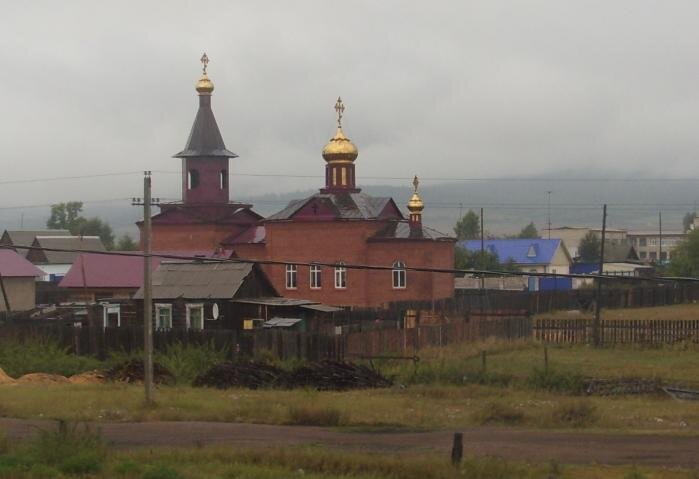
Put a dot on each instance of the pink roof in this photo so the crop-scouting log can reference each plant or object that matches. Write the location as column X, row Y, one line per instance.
column 13, row 264
column 115, row 271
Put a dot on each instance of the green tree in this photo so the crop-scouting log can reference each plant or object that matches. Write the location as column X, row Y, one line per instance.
column 529, row 232
column 589, row 248
column 685, row 257
column 485, row 260
column 126, row 243
column 468, row 227
column 64, row 215
column 688, row 221
column 68, row 216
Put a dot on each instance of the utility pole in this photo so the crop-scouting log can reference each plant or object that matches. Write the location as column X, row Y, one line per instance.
column 482, row 266
column 660, row 237
column 147, row 287
column 596, row 325
column 8, row 308
column 548, row 210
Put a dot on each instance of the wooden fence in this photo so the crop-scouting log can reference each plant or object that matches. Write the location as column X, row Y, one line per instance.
column 617, row 331
column 99, row 342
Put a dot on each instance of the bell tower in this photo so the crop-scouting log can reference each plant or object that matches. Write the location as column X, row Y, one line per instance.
column 339, row 155
column 205, row 157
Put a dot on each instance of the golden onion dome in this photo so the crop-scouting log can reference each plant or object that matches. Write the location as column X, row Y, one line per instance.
column 204, row 85
column 415, row 205
column 340, row 149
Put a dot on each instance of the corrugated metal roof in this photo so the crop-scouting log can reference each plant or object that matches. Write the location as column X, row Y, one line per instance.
column 26, row 237
column 106, row 271
column 281, row 322
column 323, row 308
column 66, row 242
column 521, row 251
column 13, row 265
column 273, row 301
column 346, row 206
column 401, row 230
column 198, row 280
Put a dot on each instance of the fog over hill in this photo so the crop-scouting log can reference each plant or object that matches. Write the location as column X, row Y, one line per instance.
column 510, row 203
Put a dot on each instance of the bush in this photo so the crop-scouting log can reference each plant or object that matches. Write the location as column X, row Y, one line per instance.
column 41, row 355
column 187, row 361
column 496, row 412
column 556, row 382
column 315, row 416
column 580, row 413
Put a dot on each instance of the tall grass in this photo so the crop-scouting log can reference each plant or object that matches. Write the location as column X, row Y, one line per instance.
column 41, row 354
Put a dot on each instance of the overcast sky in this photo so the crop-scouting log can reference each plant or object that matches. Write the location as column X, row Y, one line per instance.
column 438, row 89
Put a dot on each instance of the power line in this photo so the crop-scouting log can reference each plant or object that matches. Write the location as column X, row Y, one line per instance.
column 356, row 266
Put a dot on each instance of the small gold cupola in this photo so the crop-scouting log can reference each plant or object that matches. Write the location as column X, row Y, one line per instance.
column 415, row 206
column 205, row 86
column 339, row 154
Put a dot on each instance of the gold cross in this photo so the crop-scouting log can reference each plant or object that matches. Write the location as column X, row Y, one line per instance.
column 205, row 62
column 416, row 182
column 340, row 109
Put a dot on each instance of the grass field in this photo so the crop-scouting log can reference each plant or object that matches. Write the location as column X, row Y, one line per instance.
column 678, row 311
column 77, row 453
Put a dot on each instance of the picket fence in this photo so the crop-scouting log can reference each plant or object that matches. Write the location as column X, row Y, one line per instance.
column 618, row 331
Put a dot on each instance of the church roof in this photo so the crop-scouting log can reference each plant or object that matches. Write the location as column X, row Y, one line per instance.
column 401, row 230
column 356, row 206
column 205, row 138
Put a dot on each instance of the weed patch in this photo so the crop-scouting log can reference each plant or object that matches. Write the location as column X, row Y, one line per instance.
column 567, row 383
column 497, row 412
column 315, row 416
column 574, row 413
column 44, row 355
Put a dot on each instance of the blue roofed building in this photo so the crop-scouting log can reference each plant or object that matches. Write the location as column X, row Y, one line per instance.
column 531, row 255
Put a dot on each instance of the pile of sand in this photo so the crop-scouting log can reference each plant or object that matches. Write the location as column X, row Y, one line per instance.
column 89, row 377
column 5, row 379
column 43, row 378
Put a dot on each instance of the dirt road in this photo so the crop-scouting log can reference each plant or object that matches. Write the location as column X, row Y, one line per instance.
column 571, row 448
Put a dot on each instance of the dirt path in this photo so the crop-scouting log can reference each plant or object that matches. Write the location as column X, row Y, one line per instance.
column 571, row 448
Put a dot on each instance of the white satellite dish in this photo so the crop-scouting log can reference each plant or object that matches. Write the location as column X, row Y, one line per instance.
column 214, row 311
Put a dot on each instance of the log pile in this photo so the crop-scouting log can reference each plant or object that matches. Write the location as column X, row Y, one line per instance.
column 133, row 371
column 336, row 376
column 622, row 386
column 251, row 375
column 324, row 375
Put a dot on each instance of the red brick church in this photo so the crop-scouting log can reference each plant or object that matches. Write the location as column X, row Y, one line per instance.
column 338, row 225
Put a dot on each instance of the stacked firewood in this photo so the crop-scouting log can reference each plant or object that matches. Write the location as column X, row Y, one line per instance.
column 324, row 375
column 133, row 371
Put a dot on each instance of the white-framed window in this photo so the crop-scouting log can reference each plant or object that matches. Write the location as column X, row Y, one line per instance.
column 340, row 276
column 291, row 276
column 163, row 316
column 399, row 275
column 112, row 315
column 315, row 278
column 195, row 316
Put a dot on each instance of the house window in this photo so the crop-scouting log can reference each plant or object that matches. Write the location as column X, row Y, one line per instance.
column 399, row 276
column 641, row 242
column 163, row 316
column 195, row 316
column 340, row 276
column 192, row 179
column 315, row 276
column 652, row 241
column 223, row 179
column 291, row 281
column 112, row 315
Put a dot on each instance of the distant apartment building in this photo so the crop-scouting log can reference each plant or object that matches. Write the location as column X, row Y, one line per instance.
column 572, row 235
column 649, row 247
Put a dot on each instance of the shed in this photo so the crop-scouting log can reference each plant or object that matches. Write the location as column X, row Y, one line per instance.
column 197, row 295
column 57, row 263
column 18, row 278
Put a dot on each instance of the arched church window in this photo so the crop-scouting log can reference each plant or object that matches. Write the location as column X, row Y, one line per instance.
column 223, row 179
column 192, row 179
